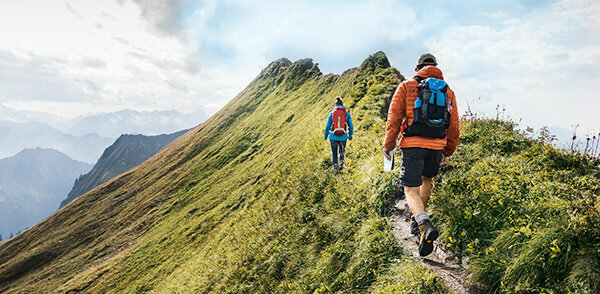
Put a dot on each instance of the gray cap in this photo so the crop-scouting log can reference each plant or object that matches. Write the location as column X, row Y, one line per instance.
column 426, row 56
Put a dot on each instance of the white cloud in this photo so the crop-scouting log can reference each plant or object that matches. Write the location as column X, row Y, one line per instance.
column 254, row 33
column 71, row 58
column 155, row 55
column 542, row 66
column 75, row 57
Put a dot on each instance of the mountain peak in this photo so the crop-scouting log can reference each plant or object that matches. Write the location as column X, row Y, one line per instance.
column 40, row 151
column 276, row 67
column 375, row 60
column 305, row 67
column 301, row 67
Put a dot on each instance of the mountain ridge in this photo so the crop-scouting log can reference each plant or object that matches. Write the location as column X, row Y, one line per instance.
column 128, row 121
column 126, row 152
column 188, row 196
column 247, row 203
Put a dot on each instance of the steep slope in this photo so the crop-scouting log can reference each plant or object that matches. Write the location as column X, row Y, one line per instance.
column 31, row 182
column 127, row 152
column 87, row 148
column 245, row 202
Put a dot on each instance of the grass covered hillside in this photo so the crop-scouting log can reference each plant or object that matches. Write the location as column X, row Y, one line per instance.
column 523, row 215
column 243, row 203
column 247, row 203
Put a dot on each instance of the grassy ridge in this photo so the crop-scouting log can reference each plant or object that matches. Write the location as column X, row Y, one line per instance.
column 243, row 203
column 247, row 203
column 524, row 215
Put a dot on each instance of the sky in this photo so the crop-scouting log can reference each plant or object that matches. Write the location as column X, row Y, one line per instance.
column 536, row 59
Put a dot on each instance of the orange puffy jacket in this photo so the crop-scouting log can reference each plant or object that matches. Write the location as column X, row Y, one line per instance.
column 401, row 115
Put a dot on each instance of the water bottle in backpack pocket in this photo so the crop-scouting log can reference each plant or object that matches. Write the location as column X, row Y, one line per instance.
column 431, row 114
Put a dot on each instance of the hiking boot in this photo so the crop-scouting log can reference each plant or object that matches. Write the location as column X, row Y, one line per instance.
column 414, row 228
column 341, row 165
column 428, row 234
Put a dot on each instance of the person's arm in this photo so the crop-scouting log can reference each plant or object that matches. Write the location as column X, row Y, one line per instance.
column 453, row 131
column 328, row 126
column 350, row 125
column 396, row 115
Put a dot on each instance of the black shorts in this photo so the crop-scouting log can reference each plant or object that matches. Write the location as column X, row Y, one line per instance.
column 417, row 162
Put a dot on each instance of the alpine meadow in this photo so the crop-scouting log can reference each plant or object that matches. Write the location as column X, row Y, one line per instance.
column 246, row 202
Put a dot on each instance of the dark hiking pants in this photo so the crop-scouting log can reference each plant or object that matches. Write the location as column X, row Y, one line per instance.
column 337, row 149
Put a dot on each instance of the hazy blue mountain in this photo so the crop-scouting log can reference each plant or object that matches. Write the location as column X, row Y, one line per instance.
column 129, row 121
column 17, row 136
column 13, row 115
column 127, row 152
column 32, row 184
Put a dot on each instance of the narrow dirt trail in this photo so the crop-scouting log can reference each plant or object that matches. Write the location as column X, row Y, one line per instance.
column 439, row 261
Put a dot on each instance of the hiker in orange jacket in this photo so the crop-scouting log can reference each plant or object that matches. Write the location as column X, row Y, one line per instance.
column 425, row 146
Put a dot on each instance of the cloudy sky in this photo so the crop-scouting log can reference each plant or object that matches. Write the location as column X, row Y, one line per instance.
column 538, row 59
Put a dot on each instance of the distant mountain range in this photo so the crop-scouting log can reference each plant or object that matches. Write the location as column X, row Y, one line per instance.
column 13, row 115
column 110, row 124
column 31, row 184
column 129, row 121
column 84, row 138
column 124, row 154
column 16, row 136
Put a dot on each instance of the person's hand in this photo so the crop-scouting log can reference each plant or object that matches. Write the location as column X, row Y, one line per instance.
column 443, row 161
column 386, row 154
column 350, row 138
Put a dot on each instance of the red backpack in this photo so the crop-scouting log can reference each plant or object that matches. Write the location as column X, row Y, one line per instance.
column 338, row 121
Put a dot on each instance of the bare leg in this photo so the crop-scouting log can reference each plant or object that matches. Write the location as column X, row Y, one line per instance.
column 425, row 190
column 413, row 199
column 417, row 198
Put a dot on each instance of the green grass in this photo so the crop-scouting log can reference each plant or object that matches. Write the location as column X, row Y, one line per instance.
column 522, row 214
column 244, row 203
column 247, row 203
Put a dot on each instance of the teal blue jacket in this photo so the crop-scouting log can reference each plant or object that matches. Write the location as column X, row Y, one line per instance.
column 329, row 132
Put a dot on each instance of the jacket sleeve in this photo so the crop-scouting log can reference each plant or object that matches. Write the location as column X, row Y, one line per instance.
column 327, row 127
column 453, row 132
column 350, row 125
column 396, row 114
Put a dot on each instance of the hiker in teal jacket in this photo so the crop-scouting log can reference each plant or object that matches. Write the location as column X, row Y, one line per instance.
column 338, row 134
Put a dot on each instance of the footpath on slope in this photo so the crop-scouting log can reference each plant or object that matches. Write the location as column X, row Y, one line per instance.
column 439, row 261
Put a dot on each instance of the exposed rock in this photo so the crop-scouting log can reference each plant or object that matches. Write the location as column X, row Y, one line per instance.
column 378, row 59
column 276, row 67
column 304, row 67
